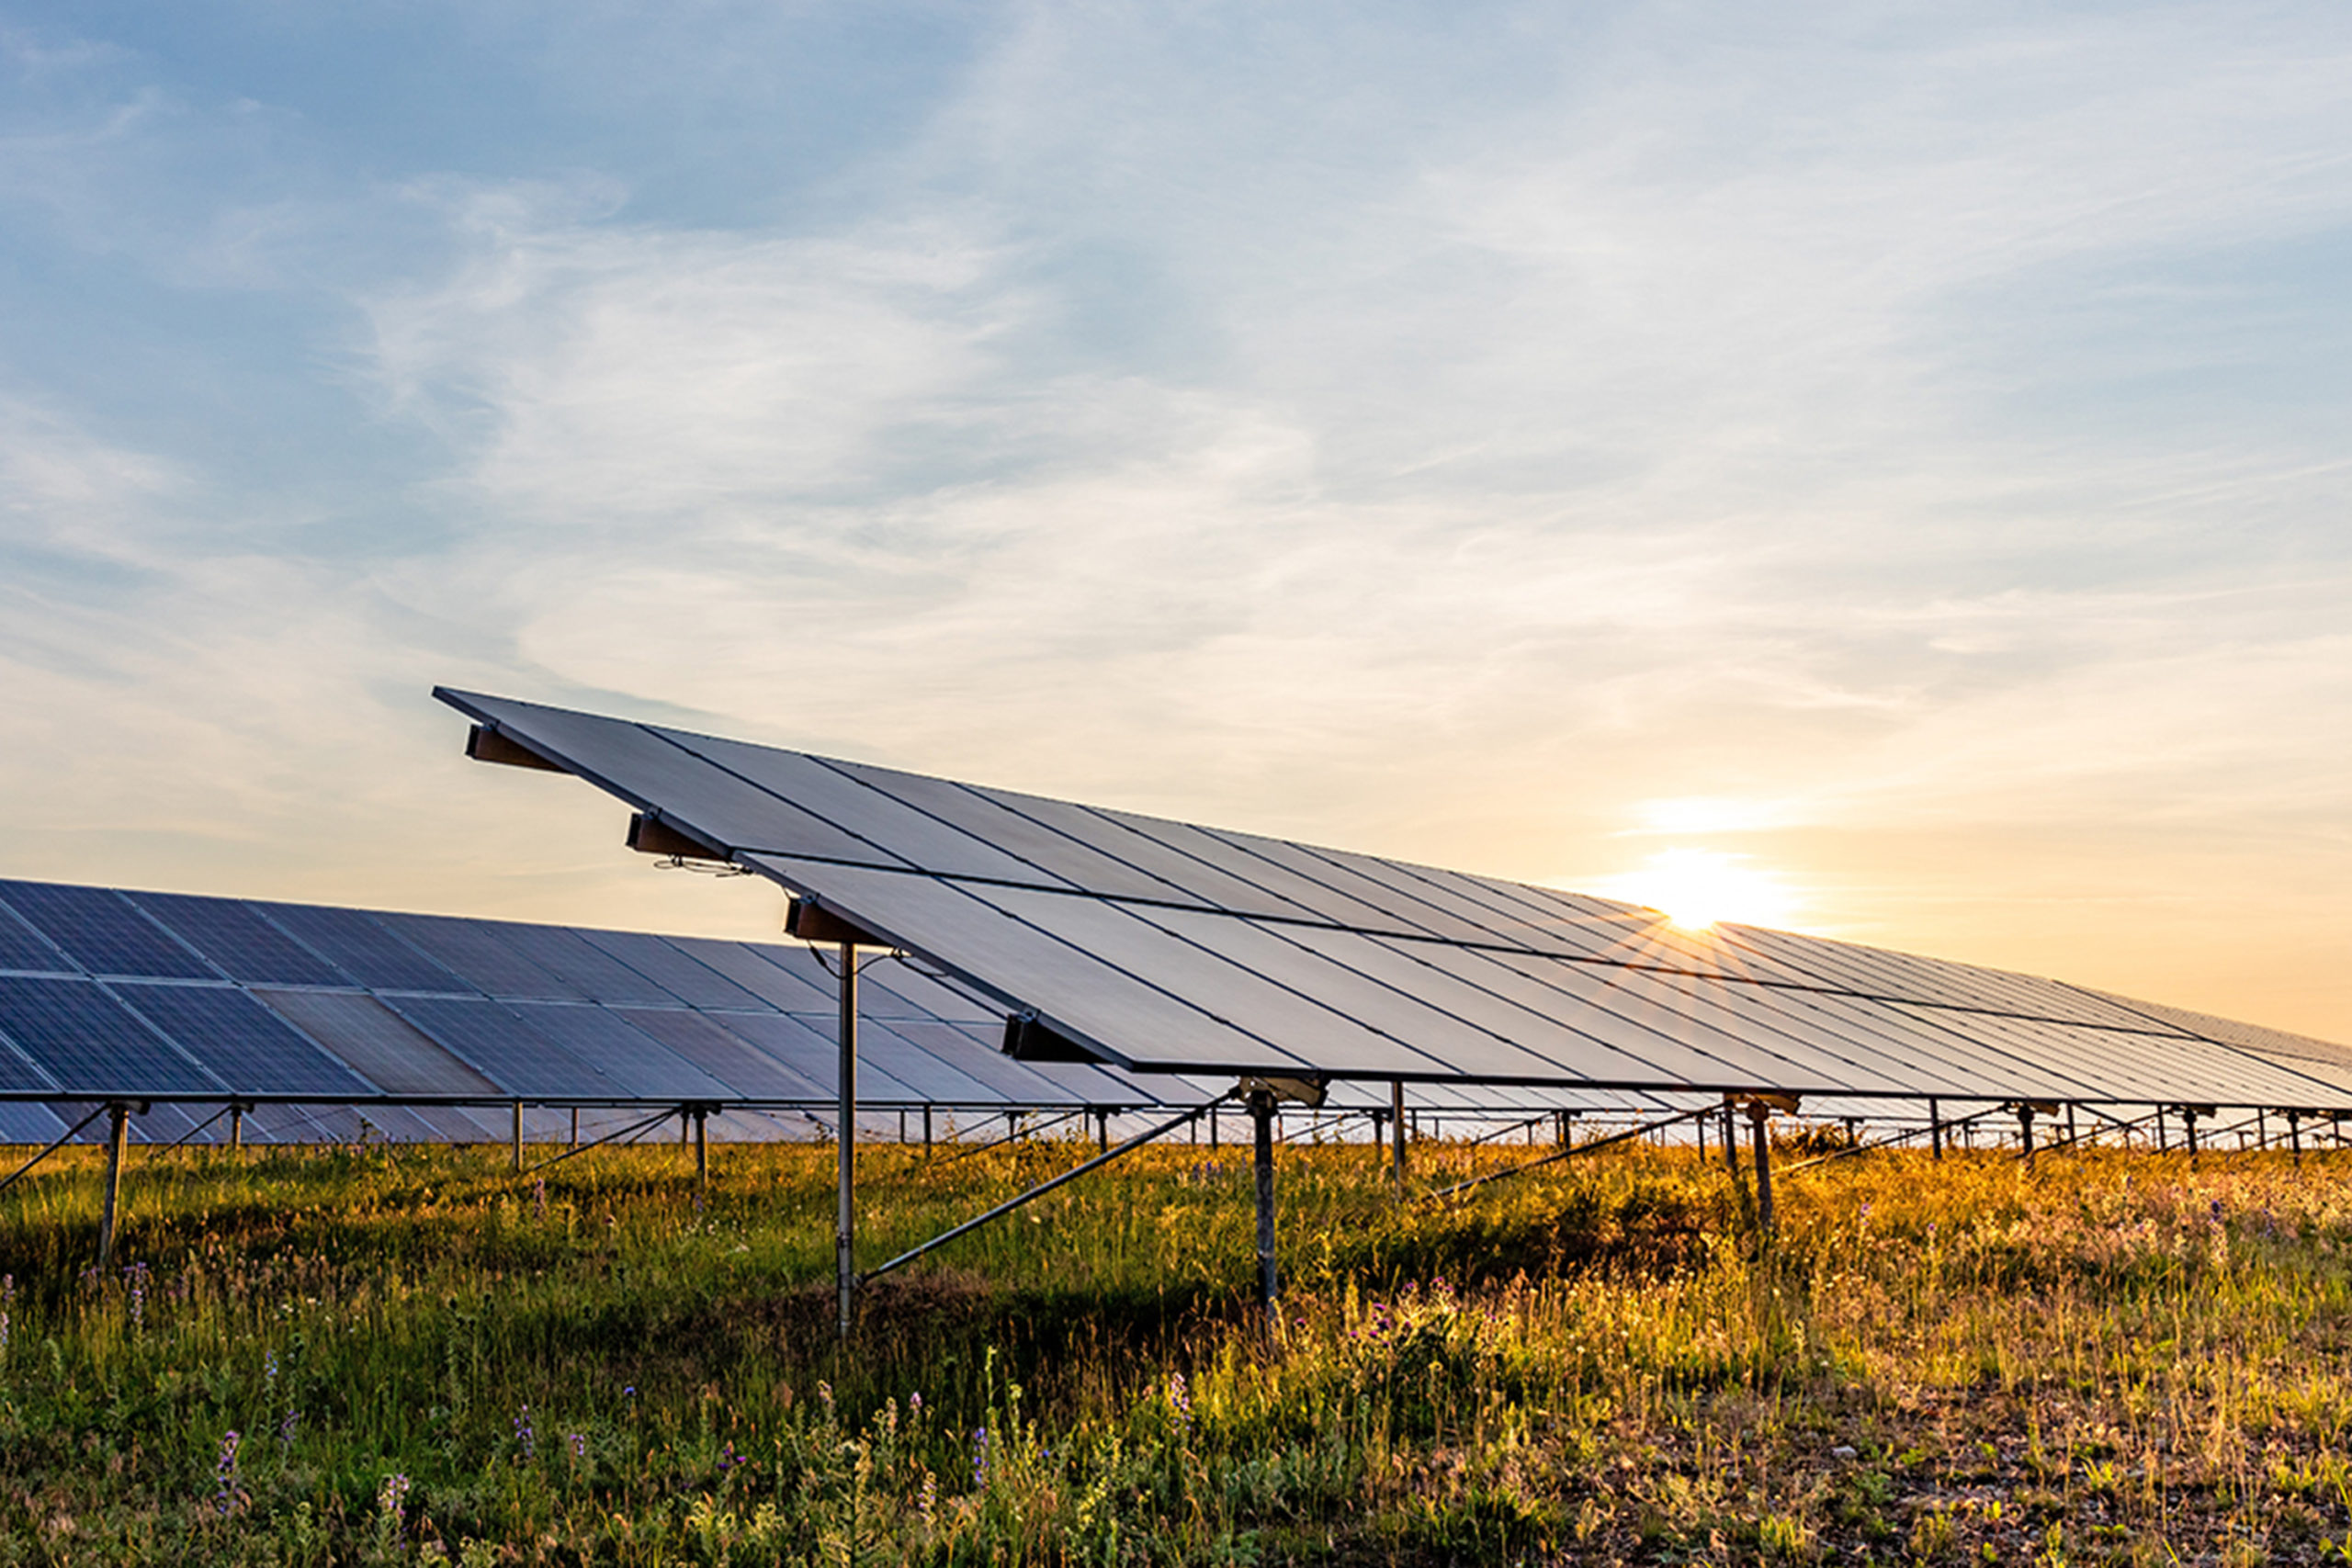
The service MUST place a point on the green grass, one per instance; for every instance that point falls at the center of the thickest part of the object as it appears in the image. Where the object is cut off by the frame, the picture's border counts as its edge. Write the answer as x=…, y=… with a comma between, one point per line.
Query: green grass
x=2112, y=1357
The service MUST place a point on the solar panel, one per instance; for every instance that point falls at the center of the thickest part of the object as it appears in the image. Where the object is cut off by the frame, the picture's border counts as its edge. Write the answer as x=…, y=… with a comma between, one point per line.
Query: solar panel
x=88, y=1044
x=751, y=1073
x=99, y=930
x=22, y=1122
x=376, y=1043
x=631, y=1059
x=505, y=1049
x=246, y=1045
x=18, y=1073
x=681, y=977
x=480, y=954
x=241, y=944
x=586, y=968
x=356, y=944
x=810, y=1055
x=774, y=985
x=23, y=951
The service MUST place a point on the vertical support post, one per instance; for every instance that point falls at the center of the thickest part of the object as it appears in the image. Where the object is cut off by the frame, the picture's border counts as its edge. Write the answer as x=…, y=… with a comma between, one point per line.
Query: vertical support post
x=702, y=1156
x=2025, y=1130
x=1935, y=1127
x=926, y=1124
x=515, y=1138
x=1262, y=1118
x=1731, y=1140
x=237, y=1127
x=1214, y=1142
x=2162, y=1143
x=845, y=1177
x=1759, y=1118
x=1396, y=1117
x=1698, y=1124
x=118, y=1136
x=2070, y=1134
x=2188, y=1123
x=1103, y=1131
x=575, y=1126
x=2295, y=1136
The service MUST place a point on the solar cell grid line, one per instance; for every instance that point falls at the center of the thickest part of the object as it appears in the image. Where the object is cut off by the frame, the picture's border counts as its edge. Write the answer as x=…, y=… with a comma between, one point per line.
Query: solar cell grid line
x=1617, y=1007
x=1296, y=878
x=1951, y=985
x=678, y=973
x=1420, y=907
x=639, y=1064
x=578, y=964
x=504, y=1048
x=839, y=796
x=930, y=1078
x=1484, y=1034
x=1940, y=1070
x=101, y=931
x=239, y=942
x=1987, y=1067
x=811, y=1055
x=1584, y=926
x=26, y=952
x=1145, y=843
x=2106, y=1059
x=19, y=1073
x=1147, y=944
x=24, y=1122
x=995, y=817
x=353, y=941
x=480, y=954
x=2264, y=1082
x=89, y=1043
x=918, y=995
x=654, y=774
x=243, y=1043
x=749, y=1073
x=773, y=985
x=376, y=1043
x=1096, y=1002
x=1504, y=925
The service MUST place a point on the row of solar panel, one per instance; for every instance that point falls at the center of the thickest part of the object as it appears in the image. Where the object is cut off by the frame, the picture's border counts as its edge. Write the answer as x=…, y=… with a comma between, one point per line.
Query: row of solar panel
x=813, y=810
x=1158, y=986
x=212, y=996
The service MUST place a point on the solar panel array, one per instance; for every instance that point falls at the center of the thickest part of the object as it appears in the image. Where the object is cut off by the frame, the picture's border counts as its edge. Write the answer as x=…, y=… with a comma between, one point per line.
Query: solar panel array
x=1158, y=946
x=335, y=1024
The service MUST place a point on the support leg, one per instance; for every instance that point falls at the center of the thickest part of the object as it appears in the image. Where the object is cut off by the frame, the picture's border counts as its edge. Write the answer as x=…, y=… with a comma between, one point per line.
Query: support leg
x=926, y=1127
x=1935, y=1127
x=2025, y=1133
x=845, y=1176
x=1731, y=1140
x=1262, y=1117
x=702, y=1157
x=1396, y=1124
x=118, y=1136
x=517, y=1138
x=237, y=1129
x=575, y=1126
x=2295, y=1136
x=1759, y=1120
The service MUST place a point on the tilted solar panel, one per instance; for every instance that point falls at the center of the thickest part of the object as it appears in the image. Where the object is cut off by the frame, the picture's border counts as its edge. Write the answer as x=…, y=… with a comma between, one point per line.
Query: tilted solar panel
x=243, y=1043
x=99, y=930
x=25, y=951
x=378, y=1043
x=238, y=941
x=1173, y=948
x=87, y=1043
x=361, y=948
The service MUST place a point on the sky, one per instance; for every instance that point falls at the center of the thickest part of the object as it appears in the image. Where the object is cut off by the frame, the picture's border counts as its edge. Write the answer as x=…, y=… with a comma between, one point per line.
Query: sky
x=1886, y=464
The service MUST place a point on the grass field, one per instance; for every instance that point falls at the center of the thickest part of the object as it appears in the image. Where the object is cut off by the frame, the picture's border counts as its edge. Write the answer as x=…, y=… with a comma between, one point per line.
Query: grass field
x=361, y=1357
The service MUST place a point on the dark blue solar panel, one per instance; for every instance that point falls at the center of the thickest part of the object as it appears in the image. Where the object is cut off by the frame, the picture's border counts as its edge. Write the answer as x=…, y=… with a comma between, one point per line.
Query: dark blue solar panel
x=99, y=930
x=244, y=946
x=21, y=948
x=751, y=1073
x=376, y=1043
x=243, y=1043
x=740, y=962
x=22, y=1122
x=592, y=971
x=359, y=947
x=18, y=1072
x=505, y=1048
x=688, y=979
x=812, y=1055
x=480, y=953
x=629, y=1057
x=86, y=1040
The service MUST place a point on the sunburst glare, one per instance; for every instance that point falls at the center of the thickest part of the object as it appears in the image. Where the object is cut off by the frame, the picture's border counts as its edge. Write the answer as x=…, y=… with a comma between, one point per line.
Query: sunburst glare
x=1695, y=889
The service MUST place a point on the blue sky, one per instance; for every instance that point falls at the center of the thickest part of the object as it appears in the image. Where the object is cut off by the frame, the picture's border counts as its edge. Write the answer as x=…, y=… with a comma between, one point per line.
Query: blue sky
x=1898, y=453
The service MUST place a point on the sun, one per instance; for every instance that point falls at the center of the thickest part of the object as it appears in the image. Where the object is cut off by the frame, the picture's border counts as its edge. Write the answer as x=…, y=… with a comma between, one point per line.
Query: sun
x=1696, y=888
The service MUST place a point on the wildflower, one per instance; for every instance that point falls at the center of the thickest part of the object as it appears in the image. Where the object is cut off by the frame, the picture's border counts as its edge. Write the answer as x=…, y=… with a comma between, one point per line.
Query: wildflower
x=526, y=1439
x=539, y=1198
x=579, y=1441
x=930, y=1504
x=1180, y=1400
x=228, y=1495
x=980, y=1458
x=285, y=1427
x=392, y=1501
x=914, y=1403
x=137, y=1274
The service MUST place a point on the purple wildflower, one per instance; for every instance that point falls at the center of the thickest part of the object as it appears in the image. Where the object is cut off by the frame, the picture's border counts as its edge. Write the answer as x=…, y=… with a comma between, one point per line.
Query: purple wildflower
x=228, y=1495
x=579, y=1441
x=391, y=1502
x=526, y=1439
x=980, y=1458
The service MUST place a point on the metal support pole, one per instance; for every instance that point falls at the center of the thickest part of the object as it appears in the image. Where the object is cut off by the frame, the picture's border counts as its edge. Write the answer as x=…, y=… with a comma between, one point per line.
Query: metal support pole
x=1731, y=1140
x=118, y=1135
x=1701, y=1125
x=2162, y=1143
x=1213, y=1131
x=236, y=1127
x=1262, y=1118
x=1758, y=1117
x=926, y=1126
x=2295, y=1136
x=2188, y=1121
x=517, y=1138
x=1396, y=1121
x=1935, y=1127
x=702, y=1157
x=1103, y=1131
x=575, y=1126
x=2025, y=1131
x=2070, y=1121
x=845, y=1178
